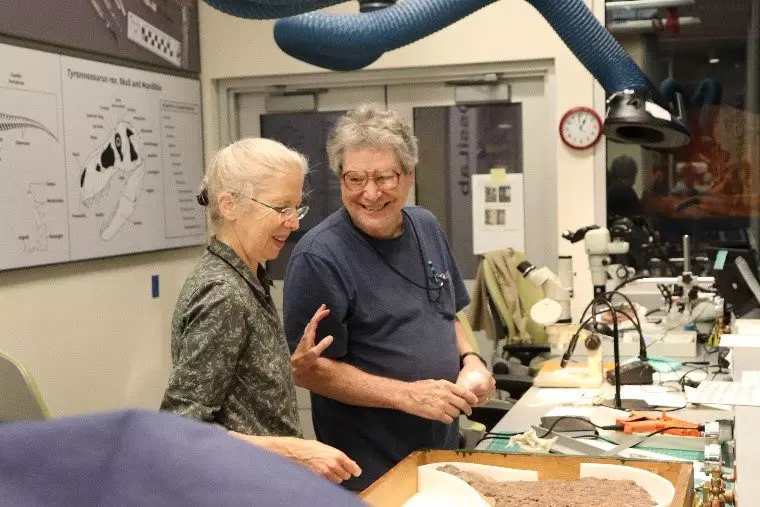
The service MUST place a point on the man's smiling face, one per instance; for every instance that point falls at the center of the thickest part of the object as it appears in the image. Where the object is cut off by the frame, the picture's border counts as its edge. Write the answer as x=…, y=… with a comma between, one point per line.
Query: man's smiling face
x=375, y=210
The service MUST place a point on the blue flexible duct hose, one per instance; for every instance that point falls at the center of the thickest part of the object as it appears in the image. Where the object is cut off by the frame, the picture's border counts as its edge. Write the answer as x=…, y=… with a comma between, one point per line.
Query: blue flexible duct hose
x=592, y=44
x=709, y=93
x=670, y=86
x=353, y=41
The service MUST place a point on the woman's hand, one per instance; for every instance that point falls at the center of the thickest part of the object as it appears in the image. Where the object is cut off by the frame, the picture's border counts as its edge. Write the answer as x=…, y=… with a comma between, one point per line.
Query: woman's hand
x=304, y=358
x=324, y=460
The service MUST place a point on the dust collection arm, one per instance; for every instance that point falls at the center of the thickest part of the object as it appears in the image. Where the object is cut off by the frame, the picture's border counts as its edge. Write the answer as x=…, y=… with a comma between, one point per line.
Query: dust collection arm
x=636, y=112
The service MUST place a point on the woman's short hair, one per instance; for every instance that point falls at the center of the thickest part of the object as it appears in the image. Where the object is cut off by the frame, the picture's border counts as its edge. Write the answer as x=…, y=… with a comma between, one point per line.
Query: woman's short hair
x=244, y=168
x=372, y=126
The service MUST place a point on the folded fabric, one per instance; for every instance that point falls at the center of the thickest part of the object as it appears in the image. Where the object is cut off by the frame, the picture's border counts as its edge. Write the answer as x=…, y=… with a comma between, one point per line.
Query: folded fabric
x=530, y=442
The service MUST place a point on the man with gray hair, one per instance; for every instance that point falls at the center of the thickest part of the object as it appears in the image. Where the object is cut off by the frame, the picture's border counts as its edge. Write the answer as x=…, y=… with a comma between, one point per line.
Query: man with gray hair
x=400, y=370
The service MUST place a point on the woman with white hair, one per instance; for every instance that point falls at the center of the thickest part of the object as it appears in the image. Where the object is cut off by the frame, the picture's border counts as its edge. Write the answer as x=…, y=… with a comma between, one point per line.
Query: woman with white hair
x=230, y=362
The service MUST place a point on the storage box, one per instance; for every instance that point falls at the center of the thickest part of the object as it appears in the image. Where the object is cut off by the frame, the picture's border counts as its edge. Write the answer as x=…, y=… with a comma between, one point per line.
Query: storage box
x=400, y=483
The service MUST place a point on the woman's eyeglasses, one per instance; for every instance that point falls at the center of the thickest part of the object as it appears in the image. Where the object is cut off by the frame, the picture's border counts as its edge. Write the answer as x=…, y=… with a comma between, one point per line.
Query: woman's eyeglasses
x=285, y=213
x=356, y=180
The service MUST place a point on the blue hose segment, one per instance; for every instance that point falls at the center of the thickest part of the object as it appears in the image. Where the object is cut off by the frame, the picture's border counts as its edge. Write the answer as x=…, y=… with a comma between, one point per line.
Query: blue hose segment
x=269, y=9
x=353, y=41
x=709, y=92
x=592, y=44
x=669, y=87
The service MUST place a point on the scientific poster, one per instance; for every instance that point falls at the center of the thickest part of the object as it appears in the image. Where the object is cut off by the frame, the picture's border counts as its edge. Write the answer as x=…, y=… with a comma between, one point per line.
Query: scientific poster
x=96, y=159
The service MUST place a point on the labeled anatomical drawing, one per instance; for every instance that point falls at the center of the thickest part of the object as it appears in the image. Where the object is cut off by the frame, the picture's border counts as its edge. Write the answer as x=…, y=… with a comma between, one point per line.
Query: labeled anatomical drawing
x=32, y=196
x=117, y=157
x=96, y=159
x=13, y=121
x=36, y=239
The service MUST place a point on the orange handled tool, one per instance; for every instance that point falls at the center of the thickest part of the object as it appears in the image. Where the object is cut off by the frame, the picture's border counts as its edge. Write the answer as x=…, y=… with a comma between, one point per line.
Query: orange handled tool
x=641, y=422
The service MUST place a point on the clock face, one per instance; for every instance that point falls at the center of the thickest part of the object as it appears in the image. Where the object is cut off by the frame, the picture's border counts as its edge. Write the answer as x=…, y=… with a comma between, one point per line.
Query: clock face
x=580, y=128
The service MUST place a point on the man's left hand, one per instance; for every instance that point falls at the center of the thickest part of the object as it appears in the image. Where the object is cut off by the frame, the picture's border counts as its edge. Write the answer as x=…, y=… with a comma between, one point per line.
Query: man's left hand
x=476, y=377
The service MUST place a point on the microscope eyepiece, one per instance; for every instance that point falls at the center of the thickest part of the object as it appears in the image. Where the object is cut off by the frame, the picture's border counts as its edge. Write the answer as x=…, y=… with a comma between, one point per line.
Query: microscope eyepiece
x=525, y=267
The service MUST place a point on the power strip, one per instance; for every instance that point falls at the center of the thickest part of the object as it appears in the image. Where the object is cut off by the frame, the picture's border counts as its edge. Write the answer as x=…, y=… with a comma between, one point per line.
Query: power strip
x=154, y=40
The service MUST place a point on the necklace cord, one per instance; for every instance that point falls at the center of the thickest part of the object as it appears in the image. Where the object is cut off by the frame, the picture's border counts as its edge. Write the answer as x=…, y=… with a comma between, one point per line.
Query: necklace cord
x=427, y=287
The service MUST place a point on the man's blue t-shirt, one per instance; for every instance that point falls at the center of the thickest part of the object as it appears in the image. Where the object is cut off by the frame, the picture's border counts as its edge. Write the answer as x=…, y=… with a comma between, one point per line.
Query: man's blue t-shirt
x=393, y=304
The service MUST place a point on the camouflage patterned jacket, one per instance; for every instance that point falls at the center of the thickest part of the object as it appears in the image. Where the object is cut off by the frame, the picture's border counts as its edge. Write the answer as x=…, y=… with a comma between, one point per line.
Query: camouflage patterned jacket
x=230, y=361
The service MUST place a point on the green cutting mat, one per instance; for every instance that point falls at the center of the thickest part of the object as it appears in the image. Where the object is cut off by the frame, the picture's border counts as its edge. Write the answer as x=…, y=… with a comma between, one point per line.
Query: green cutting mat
x=502, y=445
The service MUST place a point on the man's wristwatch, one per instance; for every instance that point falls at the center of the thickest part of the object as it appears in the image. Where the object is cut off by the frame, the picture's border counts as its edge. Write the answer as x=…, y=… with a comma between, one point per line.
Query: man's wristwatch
x=471, y=353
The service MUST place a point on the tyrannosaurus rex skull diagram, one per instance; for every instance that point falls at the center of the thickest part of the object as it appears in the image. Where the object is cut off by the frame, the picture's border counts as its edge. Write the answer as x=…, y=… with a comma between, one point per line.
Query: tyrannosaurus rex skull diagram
x=119, y=154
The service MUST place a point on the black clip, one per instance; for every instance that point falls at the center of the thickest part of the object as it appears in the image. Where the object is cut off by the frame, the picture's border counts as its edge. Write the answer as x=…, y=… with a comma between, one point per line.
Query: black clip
x=202, y=197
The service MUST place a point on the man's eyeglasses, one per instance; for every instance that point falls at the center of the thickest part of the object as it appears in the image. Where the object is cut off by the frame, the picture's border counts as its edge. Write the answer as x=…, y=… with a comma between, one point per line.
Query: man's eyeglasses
x=356, y=180
x=285, y=213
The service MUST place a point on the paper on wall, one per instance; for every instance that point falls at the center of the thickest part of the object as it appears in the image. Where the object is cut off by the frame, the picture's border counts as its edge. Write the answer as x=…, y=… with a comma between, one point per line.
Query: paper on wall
x=498, y=214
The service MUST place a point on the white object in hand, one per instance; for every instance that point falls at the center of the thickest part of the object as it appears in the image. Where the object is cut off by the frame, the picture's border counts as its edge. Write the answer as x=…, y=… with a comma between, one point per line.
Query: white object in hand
x=472, y=380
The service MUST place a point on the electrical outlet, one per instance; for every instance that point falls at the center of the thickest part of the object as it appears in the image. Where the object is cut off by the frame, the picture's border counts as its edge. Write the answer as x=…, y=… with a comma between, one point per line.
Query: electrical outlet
x=154, y=40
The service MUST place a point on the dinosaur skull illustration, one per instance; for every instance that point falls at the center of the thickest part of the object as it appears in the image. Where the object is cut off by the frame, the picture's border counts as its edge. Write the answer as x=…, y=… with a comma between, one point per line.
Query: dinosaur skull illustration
x=118, y=153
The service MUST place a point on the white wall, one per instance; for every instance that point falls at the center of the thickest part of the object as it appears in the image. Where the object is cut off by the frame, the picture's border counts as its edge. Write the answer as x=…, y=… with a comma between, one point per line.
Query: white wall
x=508, y=30
x=90, y=333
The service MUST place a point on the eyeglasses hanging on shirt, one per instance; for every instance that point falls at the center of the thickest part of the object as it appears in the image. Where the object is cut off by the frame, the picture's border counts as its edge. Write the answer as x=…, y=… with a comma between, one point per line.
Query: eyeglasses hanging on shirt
x=434, y=281
x=437, y=280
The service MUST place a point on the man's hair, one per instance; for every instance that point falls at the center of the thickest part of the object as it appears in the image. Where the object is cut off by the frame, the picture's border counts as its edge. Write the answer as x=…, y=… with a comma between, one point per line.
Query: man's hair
x=623, y=168
x=372, y=126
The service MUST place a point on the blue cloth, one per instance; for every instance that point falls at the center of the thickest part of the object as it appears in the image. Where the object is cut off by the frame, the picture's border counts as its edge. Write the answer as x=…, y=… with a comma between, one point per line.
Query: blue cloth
x=149, y=458
x=384, y=322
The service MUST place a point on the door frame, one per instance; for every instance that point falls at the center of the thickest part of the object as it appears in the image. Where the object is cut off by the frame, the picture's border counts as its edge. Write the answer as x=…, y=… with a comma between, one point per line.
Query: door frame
x=228, y=90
